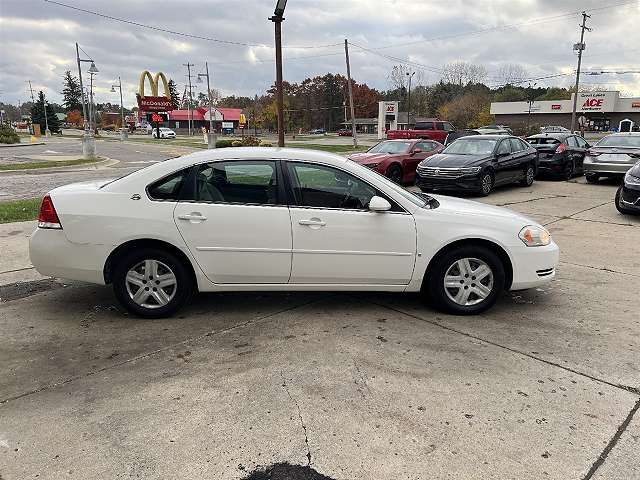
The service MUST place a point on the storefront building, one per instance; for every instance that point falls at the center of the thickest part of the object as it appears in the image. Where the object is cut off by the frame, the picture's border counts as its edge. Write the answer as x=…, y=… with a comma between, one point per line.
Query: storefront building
x=602, y=111
x=225, y=120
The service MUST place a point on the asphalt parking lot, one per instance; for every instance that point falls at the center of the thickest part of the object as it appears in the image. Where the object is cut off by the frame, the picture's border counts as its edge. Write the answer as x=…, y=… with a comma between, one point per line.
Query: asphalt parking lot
x=356, y=386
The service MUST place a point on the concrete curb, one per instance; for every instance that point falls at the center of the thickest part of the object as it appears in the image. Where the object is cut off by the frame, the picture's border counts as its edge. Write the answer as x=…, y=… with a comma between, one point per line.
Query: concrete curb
x=105, y=163
x=2, y=145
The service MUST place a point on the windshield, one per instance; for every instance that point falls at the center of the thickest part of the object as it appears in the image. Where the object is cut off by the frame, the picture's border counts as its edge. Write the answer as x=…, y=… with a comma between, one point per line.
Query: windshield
x=624, y=141
x=471, y=146
x=390, y=147
x=543, y=141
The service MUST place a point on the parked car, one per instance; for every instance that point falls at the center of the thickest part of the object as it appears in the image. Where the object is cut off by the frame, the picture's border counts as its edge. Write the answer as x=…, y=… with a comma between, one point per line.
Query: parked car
x=318, y=131
x=452, y=136
x=612, y=156
x=345, y=132
x=397, y=159
x=501, y=128
x=430, y=129
x=478, y=164
x=292, y=220
x=561, y=155
x=628, y=195
x=164, y=133
x=554, y=129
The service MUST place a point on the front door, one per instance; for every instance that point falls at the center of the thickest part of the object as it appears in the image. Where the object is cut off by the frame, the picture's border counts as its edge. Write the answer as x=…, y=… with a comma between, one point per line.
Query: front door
x=237, y=228
x=504, y=163
x=337, y=240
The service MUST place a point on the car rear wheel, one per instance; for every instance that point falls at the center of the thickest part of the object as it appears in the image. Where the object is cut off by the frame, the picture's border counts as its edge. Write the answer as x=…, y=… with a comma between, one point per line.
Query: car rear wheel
x=486, y=183
x=151, y=283
x=394, y=173
x=569, y=171
x=465, y=281
x=592, y=178
x=529, y=175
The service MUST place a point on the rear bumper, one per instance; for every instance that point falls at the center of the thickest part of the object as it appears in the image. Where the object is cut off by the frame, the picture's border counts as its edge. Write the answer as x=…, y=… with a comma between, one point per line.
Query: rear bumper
x=53, y=255
x=618, y=168
x=534, y=266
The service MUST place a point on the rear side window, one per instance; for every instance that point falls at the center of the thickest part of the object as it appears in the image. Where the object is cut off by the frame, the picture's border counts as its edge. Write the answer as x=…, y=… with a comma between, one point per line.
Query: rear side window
x=582, y=143
x=516, y=146
x=424, y=126
x=247, y=182
x=169, y=188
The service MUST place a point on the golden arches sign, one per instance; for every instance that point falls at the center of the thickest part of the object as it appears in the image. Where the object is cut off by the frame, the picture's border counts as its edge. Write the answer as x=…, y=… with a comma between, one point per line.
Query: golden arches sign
x=153, y=82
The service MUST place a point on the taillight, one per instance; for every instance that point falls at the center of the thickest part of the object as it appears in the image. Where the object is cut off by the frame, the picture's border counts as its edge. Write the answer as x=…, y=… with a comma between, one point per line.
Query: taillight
x=561, y=148
x=48, y=218
x=592, y=153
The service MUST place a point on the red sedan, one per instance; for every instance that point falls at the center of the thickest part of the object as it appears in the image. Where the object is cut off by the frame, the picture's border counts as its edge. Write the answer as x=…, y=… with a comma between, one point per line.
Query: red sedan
x=398, y=159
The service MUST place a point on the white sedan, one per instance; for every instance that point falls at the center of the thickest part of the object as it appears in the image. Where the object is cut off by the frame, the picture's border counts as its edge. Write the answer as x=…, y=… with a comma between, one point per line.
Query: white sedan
x=164, y=133
x=249, y=219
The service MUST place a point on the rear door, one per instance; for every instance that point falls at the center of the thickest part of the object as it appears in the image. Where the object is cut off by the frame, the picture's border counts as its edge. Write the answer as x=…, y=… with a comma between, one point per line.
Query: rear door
x=580, y=152
x=238, y=226
x=337, y=240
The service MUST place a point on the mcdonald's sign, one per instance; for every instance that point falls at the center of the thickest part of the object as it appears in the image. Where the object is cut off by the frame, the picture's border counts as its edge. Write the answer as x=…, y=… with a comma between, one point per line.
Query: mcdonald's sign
x=154, y=102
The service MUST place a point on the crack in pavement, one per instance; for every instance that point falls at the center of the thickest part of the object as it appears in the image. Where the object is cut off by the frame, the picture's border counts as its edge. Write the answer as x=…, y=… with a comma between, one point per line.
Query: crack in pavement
x=602, y=269
x=569, y=217
x=304, y=427
x=612, y=443
x=530, y=200
x=154, y=352
x=627, y=388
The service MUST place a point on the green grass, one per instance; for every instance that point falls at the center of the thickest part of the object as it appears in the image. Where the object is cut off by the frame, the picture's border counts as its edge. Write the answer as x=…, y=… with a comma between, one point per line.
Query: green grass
x=19, y=210
x=45, y=164
x=328, y=148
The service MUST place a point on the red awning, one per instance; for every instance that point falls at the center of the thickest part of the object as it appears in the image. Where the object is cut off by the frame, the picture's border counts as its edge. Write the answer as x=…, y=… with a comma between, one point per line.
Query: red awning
x=184, y=115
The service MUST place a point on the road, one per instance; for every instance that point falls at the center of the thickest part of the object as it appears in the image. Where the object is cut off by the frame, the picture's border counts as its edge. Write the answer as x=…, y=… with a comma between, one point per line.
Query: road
x=355, y=386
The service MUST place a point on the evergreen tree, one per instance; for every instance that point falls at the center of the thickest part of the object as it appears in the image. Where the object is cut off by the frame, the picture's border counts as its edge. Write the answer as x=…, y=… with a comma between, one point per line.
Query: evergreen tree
x=173, y=91
x=71, y=93
x=37, y=115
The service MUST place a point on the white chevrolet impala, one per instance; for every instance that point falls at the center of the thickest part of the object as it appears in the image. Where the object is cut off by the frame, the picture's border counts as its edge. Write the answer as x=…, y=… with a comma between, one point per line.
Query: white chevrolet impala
x=282, y=219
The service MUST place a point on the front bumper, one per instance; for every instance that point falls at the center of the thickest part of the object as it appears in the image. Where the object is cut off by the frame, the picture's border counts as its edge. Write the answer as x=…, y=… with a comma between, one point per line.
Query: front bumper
x=534, y=266
x=617, y=168
x=467, y=183
x=630, y=197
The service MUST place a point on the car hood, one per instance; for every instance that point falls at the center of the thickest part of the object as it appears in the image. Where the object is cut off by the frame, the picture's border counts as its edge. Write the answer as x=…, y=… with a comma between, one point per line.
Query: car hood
x=481, y=213
x=367, y=158
x=454, y=160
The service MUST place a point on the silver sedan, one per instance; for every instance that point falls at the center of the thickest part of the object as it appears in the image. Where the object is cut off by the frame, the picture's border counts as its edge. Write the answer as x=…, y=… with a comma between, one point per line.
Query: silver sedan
x=612, y=156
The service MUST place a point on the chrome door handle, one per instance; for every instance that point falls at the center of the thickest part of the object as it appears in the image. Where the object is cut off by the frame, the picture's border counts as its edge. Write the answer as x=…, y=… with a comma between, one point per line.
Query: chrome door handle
x=193, y=216
x=313, y=222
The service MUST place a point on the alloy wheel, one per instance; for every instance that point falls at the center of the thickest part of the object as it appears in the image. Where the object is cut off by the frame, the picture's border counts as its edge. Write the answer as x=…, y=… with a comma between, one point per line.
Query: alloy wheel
x=487, y=183
x=530, y=175
x=151, y=284
x=468, y=281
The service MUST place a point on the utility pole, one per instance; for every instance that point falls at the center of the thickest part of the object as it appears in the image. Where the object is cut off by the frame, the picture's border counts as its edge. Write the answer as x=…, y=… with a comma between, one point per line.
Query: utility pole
x=189, y=65
x=410, y=75
x=352, y=107
x=84, y=103
x=580, y=47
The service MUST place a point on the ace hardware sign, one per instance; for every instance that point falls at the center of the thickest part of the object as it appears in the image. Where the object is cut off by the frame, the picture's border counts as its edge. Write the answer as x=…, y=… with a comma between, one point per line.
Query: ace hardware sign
x=597, y=101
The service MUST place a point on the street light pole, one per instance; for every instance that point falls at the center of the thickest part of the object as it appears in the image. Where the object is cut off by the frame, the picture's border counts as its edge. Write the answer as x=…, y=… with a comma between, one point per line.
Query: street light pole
x=47, y=132
x=123, y=132
x=88, y=143
x=277, y=19
x=189, y=65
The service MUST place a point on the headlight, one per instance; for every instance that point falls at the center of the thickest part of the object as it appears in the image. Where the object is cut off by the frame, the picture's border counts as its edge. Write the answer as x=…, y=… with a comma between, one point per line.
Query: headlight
x=534, y=236
x=371, y=165
x=470, y=170
x=631, y=179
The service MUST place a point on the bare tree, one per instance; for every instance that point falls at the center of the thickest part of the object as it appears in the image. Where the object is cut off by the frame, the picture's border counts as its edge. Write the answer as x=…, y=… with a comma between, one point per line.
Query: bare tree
x=511, y=73
x=462, y=73
x=398, y=78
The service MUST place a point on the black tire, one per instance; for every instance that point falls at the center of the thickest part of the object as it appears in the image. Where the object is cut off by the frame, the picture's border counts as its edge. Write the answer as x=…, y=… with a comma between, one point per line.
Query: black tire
x=176, y=295
x=529, y=175
x=592, y=178
x=434, y=287
x=487, y=181
x=621, y=208
x=569, y=171
x=394, y=173
x=425, y=190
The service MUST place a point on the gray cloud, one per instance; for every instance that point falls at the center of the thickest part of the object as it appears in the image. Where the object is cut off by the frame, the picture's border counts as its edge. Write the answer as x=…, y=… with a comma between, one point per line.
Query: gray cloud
x=38, y=41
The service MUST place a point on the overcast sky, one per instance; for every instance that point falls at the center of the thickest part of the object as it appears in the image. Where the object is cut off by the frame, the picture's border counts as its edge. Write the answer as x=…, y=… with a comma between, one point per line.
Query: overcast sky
x=37, y=41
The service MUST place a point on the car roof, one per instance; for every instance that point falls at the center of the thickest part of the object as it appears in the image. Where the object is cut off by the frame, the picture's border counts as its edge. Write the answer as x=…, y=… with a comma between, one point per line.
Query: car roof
x=487, y=137
x=624, y=134
x=556, y=135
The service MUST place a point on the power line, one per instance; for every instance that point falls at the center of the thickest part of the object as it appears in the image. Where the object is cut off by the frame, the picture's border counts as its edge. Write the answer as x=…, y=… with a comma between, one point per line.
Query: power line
x=183, y=34
x=399, y=60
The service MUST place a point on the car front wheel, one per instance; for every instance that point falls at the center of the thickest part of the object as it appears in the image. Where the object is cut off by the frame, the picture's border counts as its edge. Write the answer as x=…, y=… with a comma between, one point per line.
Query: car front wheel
x=529, y=175
x=486, y=184
x=394, y=173
x=151, y=283
x=465, y=281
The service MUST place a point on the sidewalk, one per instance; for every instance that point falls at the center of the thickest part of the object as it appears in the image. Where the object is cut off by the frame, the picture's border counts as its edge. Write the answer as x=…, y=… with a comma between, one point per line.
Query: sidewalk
x=15, y=265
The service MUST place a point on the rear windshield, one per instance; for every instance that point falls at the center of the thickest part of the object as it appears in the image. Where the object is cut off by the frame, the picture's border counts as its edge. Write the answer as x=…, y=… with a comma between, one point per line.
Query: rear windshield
x=390, y=147
x=631, y=141
x=543, y=141
x=471, y=146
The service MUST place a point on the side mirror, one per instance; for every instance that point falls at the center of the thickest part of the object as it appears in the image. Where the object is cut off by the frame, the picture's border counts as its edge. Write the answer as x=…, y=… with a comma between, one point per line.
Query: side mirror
x=379, y=204
x=416, y=150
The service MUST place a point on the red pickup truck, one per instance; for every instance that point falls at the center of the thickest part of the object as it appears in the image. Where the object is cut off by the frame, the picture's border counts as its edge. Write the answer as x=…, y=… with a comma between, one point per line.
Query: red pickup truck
x=432, y=129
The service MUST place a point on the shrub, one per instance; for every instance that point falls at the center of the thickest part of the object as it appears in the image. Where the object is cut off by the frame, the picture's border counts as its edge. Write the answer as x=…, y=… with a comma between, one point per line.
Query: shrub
x=236, y=143
x=8, y=135
x=264, y=143
x=250, y=141
x=223, y=143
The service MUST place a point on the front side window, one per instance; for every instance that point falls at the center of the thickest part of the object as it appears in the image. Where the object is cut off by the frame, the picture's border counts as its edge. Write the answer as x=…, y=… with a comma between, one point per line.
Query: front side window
x=426, y=146
x=169, y=188
x=448, y=127
x=251, y=182
x=582, y=143
x=326, y=187
x=572, y=141
x=504, y=147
